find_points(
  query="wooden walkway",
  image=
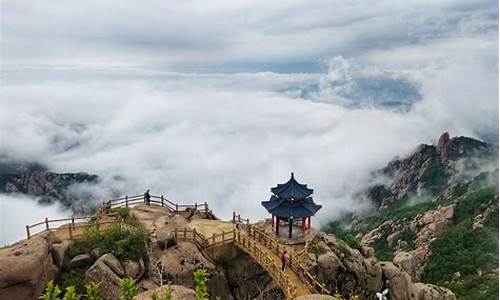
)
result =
(295, 281)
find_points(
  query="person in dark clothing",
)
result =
(284, 259)
(147, 197)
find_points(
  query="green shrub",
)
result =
(92, 289)
(52, 292)
(128, 290)
(122, 242)
(408, 236)
(200, 281)
(125, 215)
(474, 203)
(71, 278)
(70, 293)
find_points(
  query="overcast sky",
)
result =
(220, 100)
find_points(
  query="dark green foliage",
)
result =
(475, 287)
(341, 230)
(382, 250)
(52, 292)
(378, 193)
(122, 242)
(474, 203)
(72, 277)
(408, 236)
(467, 251)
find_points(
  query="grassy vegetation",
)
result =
(122, 242)
(471, 252)
(341, 230)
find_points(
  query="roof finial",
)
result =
(292, 175)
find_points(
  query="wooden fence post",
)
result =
(162, 200)
(73, 221)
(175, 233)
(206, 206)
(126, 201)
(195, 206)
(234, 217)
(28, 231)
(213, 238)
(176, 206)
(70, 232)
(47, 223)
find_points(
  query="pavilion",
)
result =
(291, 201)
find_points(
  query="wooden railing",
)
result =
(74, 223)
(296, 259)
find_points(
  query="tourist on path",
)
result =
(147, 197)
(284, 259)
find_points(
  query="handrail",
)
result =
(125, 201)
(272, 244)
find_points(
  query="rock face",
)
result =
(181, 261)
(108, 271)
(178, 292)
(247, 280)
(350, 272)
(36, 180)
(428, 170)
(164, 227)
(26, 267)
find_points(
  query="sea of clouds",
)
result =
(218, 102)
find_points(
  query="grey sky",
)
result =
(231, 35)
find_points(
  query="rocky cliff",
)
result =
(36, 180)
(430, 213)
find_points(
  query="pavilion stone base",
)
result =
(297, 236)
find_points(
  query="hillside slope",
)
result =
(436, 216)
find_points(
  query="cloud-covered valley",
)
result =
(217, 102)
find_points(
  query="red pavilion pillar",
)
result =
(272, 221)
(308, 222)
(303, 225)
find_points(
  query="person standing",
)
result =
(147, 197)
(284, 259)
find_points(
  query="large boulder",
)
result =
(26, 267)
(407, 262)
(400, 285)
(177, 292)
(58, 252)
(133, 269)
(180, 262)
(80, 261)
(108, 271)
(164, 228)
(424, 291)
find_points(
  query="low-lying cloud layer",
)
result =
(17, 211)
(227, 139)
(103, 88)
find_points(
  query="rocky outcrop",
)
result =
(177, 292)
(352, 272)
(26, 267)
(108, 271)
(133, 269)
(247, 279)
(164, 228)
(80, 261)
(36, 180)
(430, 170)
(181, 261)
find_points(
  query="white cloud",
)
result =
(17, 211)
